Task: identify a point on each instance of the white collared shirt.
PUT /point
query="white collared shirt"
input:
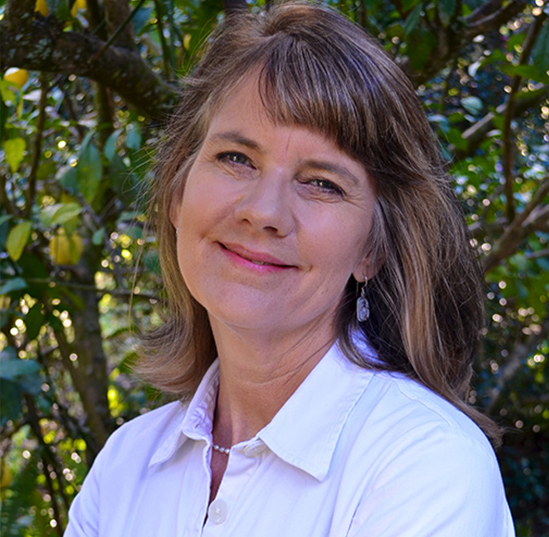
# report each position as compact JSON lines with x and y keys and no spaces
{"x":352,"y":453}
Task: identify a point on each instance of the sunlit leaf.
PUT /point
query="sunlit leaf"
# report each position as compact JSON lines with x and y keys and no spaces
{"x":60,"y":213}
{"x":89,"y":172}
{"x":14,"y":149}
{"x":17,"y":239}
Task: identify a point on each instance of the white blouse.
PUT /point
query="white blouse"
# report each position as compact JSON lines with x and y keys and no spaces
{"x":351,"y":453}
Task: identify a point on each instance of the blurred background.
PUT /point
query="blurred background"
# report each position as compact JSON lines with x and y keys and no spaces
{"x":86,"y":88}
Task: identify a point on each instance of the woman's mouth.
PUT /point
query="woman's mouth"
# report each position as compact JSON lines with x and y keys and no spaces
{"x":259,"y":259}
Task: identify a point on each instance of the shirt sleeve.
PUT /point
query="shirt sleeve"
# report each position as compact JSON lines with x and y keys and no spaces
{"x":84,"y":513}
{"x":436,"y":486}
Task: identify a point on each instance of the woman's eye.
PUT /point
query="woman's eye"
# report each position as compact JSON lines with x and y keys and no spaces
{"x":326,"y":186}
{"x":234,"y":158}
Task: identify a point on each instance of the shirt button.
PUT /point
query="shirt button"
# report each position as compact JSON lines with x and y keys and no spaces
{"x":218,"y":511}
{"x":254,"y":449}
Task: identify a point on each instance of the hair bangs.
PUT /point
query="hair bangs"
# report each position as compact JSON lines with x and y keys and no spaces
{"x":299,"y":87}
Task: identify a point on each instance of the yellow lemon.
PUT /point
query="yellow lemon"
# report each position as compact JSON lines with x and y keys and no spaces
{"x":5,"y":302}
{"x":79,"y":4}
{"x":41,"y":7}
{"x":18,"y":77}
{"x":6,"y":475}
{"x":66,"y":249}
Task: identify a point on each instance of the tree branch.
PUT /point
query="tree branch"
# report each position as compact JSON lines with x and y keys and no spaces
{"x":19,"y":12}
{"x":37,"y":145}
{"x":95,"y":422}
{"x":513,"y":363}
{"x":508,"y":141}
{"x":483,"y":11}
{"x":531,"y":218}
{"x":494,"y":20}
{"x":118,"y":16}
{"x":39,"y":46}
{"x":454,"y":39}
{"x":476,"y":134}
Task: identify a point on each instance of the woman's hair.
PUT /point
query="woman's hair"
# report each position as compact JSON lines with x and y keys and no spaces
{"x":320,"y":71}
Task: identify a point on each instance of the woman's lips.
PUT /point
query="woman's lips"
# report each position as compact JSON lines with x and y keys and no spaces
{"x":258,"y":259}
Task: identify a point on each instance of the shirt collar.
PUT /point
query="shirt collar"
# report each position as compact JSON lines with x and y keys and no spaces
{"x":196,"y":423}
{"x":304,"y":432}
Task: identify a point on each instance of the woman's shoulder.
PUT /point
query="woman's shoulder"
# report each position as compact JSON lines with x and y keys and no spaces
{"x":403,"y":407}
{"x":148,"y":431}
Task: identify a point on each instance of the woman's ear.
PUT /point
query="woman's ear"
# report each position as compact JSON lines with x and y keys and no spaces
{"x":363,"y":270}
{"x":175,"y":207}
{"x":368,"y":267}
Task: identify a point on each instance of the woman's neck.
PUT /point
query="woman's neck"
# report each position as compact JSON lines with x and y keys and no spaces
{"x":258,"y":375}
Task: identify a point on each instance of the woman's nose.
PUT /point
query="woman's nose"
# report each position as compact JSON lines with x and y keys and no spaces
{"x":265,"y":204}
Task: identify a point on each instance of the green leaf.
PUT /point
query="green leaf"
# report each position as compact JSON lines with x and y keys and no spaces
{"x":89,"y":172}
{"x":11,"y":406}
{"x":540,"y":52}
{"x":419,"y":47}
{"x":3,"y":117}
{"x":60,"y":213}
{"x":8,"y":353}
{"x":14,"y":149}
{"x":15,"y":284}
{"x":46,"y":170}
{"x":526,"y":71}
{"x":150,"y":260}
{"x":446,"y":9}
{"x":409,"y":4}
{"x":412,"y":20}
{"x":34,"y":321}
{"x":544,"y":264}
{"x":69,"y":180}
{"x":98,"y":237}
{"x":17,"y":239}
{"x":472,"y":104}
{"x":60,"y":8}
{"x":14,"y":369}
{"x":133,"y":137}
{"x":8,"y":95}
{"x":110,"y":149}
{"x":456,"y":139}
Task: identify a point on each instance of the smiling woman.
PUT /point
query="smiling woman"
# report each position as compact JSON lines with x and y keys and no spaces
{"x":325,"y":307}
{"x":287,"y":226}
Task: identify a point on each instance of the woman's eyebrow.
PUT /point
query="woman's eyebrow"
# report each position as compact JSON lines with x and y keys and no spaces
{"x":235,"y":137}
{"x":333,"y":168}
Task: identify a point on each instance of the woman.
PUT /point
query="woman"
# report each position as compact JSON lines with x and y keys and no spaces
{"x":310,"y":240}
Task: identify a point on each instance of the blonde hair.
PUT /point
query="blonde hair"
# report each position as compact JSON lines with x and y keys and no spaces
{"x":319,"y":70}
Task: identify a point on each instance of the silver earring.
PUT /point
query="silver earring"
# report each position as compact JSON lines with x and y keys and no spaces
{"x":362,"y":304}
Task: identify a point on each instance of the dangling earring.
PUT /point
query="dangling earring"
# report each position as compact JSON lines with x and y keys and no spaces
{"x":362,"y":304}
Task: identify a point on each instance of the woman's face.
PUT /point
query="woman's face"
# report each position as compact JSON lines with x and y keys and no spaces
{"x":272,"y":222}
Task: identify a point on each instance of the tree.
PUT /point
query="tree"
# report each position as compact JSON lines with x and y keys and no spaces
{"x":78,"y":141}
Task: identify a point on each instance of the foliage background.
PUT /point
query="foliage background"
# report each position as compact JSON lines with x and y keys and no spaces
{"x":77,"y":141}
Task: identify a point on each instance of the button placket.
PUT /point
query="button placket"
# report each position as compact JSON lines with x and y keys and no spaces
{"x":218,"y":511}
{"x":254,"y":448}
